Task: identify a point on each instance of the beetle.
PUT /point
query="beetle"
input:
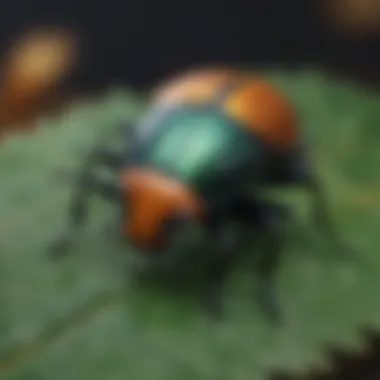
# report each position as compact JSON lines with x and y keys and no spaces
{"x":209,"y":141}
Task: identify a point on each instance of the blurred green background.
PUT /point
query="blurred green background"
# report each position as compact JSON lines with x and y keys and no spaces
{"x":80,"y":319}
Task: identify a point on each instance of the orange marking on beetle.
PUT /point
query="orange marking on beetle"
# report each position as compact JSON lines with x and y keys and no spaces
{"x":195,"y":87}
{"x":264,"y":110}
{"x":152,"y":198}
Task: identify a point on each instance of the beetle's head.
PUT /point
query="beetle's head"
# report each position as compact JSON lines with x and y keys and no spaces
{"x":159,"y":209}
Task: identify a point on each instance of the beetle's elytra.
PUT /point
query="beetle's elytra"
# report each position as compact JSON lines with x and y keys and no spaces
{"x":252,"y":102}
{"x":209,"y":141}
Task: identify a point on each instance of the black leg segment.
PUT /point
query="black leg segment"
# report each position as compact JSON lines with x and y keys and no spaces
{"x":268,"y":221}
{"x":86,"y":185}
{"x":226,"y":249}
{"x":293,"y":169}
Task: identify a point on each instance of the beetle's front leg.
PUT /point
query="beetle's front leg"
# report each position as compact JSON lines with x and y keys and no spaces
{"x":321,"y":216}
{"x":269,"y":221}
{"x":325,"y":224}
{"x":273,"y":222}
{"x":225,"y":240}
{"x":294,"y":169}
{"x":86,"y":184}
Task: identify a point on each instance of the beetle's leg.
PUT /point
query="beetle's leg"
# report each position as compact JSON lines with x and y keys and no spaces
{"x":225,"y":241}
{"x":273,"y":223}
{"x":103,"y":156}
{"x":300,"y":172}
{"x":86,"y":184}
{"x":320,"y":210}
{"x":270,"y":221}
{"x":294,"y":169}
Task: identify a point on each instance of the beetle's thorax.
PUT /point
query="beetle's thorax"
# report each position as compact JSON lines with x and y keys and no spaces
{"x":152,"y":199}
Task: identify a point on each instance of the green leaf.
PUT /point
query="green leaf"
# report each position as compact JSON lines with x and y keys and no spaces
{"x":80,"y":319}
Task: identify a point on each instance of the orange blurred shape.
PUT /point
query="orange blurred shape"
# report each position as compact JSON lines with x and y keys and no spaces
{"x":35,"y":67}
{"x":354,"y":17}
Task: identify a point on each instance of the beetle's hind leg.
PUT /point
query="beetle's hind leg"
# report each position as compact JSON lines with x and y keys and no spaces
{"x":273,"y":222}
{"x":269,"y":221}
{"x":225,"y":242}
{"x":85,"y":184}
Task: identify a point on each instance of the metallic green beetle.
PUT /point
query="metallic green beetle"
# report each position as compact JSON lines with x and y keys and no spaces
{"x":210,"y":141}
